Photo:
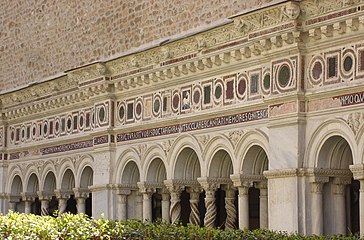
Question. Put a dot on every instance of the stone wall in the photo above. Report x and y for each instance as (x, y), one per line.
(41, 38)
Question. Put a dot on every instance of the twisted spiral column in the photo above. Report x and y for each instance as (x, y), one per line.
(175, 209)
(175, 190)
(210, 205)
(230, 209)
(194, 200)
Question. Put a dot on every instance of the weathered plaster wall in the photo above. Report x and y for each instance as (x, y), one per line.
(40, 38)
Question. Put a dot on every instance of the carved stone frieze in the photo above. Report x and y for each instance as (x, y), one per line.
(355, 121)
(235, 136)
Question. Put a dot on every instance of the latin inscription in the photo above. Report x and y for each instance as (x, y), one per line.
(351, 99)
(192, 126)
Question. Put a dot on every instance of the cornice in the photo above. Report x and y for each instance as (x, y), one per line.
(248, 38)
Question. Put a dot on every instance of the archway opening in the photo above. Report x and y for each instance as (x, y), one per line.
(340, 193)
(85, 182)
(15, 203)
(32, 189)
(187, 168)
(49, 187)
(221, 168)
(254, 164)
(156, 175)
(68, 183)
(130, 177)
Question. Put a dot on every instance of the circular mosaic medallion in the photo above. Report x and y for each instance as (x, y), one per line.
(156, 105)
(34, 131)
(175, 101)
(28, 132)
(45, 129)
(138, 109)
(102, 114)
(69, 124)
(218, 91)
(121, 112)
(266, 81)
(348, 63)
(81, 121)
(242, 87)
(284, 75)
(317, 70)
(57, 126)
(196, 97)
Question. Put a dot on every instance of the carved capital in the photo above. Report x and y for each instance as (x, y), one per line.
(81, 192)
(42, 195)
(28, 197)
(63, 194)
(316, 187)
(358, 171)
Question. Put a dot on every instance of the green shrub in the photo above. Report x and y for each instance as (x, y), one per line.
(69, 226)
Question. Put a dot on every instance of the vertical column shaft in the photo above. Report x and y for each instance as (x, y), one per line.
(165, 207)
(147, 206)
(139, 206)
(194, 200)
(340, 211)
(230, 209)
(243, 203)
(317, 208)
(361, 207)
(81, 205)
(27, 206)
(122, 207)
(44, 205)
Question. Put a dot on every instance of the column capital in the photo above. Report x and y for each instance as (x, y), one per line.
(145, 188)
(123, 191)
(28, 197)
(174, 186)
(63, 194)
(262, 185)
(358, 171)
(244, 180)
(81, 192)
(13, 198)
(43, 195)
(210, 184)
(316, 187)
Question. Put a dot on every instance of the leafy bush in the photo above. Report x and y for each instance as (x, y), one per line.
(69, 226)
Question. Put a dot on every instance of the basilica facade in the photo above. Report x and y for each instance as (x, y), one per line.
(254, 123)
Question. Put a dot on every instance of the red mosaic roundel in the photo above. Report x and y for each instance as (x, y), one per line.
(317, 70)
(175, 101)
(241, 87)
(138, 109)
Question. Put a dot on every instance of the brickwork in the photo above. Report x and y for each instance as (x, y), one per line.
(39, 39)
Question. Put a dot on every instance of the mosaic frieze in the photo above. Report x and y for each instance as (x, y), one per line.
(2, 136)
(278, 77)
(61, 125)
(337, 66)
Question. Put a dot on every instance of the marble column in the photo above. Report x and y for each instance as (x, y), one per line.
(81, 195)
(13, 201)
(147, 193)
(62, 197)
(165, 205)
(339, 186)
(231, 213)
(243, 205)
(44, 199)
(317, 211)
(263, 204)
(210, 204)
(194, 200)
(175, 191)
(12, 206)
(361, 207)
(122, 200)
(139, 205)
(28, 199)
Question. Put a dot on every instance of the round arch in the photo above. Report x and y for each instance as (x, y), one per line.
(255, 160)
(360, 141)
(49, 183)
(86, 179)
(130, 174)
(151, 154)
(222, 165)
(187, 166)
(16, 186)
(32, 184)
(156, 172)
(68, 180)
(86, 161)
(219, 147)
(330, 128)
(49, 167)
(127, 155)
(183, 142)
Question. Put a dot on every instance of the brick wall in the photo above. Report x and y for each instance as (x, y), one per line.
(40, 38)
